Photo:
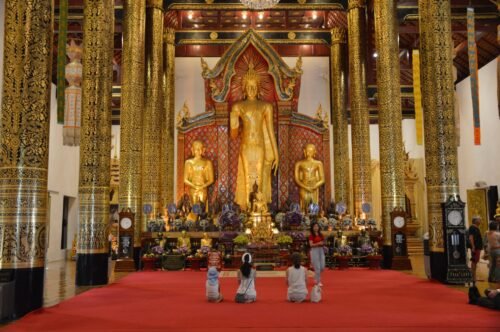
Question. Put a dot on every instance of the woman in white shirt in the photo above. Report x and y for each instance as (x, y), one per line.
(296, 279)
(246, 279)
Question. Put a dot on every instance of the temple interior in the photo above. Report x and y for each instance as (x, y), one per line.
(160, 135)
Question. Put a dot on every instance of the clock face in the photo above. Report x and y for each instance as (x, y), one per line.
(126, 223)
(399, 222)
(455, 217)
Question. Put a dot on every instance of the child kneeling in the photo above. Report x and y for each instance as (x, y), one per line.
(212, 285)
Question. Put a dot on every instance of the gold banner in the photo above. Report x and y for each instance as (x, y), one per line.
(417, 95)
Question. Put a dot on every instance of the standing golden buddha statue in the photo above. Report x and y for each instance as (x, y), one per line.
(309, 176)
(198, 174)
(258, 154)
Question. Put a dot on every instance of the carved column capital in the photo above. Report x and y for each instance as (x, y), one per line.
(158, 4)
(169, 36)
(339, 36)
(356, 4)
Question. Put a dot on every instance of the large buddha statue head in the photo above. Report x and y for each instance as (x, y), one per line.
(197, 149)
(250, 83)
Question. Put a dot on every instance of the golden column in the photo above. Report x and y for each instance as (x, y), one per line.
(338, 85)
(24, 149)
(389, 113)
(152, 116)
(167, 136)
(130, 192)
(95, 145)
(439, 120)
(360, 121)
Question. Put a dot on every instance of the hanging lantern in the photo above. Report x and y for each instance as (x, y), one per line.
(73, 96)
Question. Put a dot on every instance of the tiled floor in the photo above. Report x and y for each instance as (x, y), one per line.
(60, 279)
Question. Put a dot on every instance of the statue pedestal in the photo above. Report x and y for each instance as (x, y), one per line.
(262, 230)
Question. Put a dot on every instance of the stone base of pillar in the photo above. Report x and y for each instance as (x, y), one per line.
(438, 266)
(22, 291)
(387, 254)
(92, 269)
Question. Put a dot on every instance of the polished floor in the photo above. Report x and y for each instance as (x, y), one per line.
(60, 279)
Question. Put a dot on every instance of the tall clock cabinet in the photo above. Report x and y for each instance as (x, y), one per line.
(125, 260)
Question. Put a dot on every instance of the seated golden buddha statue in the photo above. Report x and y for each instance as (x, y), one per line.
(184, 240)
(198, 174)
(206, 241)
(309, 176)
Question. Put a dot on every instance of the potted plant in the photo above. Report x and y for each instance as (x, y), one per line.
(284, 241)
(241, 241)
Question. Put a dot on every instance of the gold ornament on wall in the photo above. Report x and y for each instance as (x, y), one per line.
(183, 114)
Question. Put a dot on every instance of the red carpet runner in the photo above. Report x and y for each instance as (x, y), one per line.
(352, 300)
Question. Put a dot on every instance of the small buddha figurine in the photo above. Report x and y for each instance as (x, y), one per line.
(198, 174)
(206, 241)
(258, 201)
(363, 238)
(184, 240)
(309, 176)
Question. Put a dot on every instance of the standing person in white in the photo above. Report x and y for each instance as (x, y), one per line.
(246, 279)
(296, 279)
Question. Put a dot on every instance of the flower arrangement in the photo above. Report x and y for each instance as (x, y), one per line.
(204, 250)
(345, 250)
(229, 220)
(366, 249)
(298, 236)
(284, 239)
(155, 225)
(241, 240)
(183, 250)
(280, 218)
(293, 219)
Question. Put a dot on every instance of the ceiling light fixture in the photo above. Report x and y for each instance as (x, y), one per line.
(260, 4)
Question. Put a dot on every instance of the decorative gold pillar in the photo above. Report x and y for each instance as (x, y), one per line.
(95, 144)
(338, 76)
(24, 150)
(439, 120)
(360, 121)
(167, 155)
(133, 64)
(152, 116)
(389, 112)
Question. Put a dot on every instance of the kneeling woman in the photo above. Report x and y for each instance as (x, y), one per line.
(246, 279)
(296, 279)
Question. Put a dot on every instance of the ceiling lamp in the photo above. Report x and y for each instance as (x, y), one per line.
(260, 4)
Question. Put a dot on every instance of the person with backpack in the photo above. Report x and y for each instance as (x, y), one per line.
(475, 243)
(246, 292)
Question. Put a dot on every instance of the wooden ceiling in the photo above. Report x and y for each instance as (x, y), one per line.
(192, 16)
